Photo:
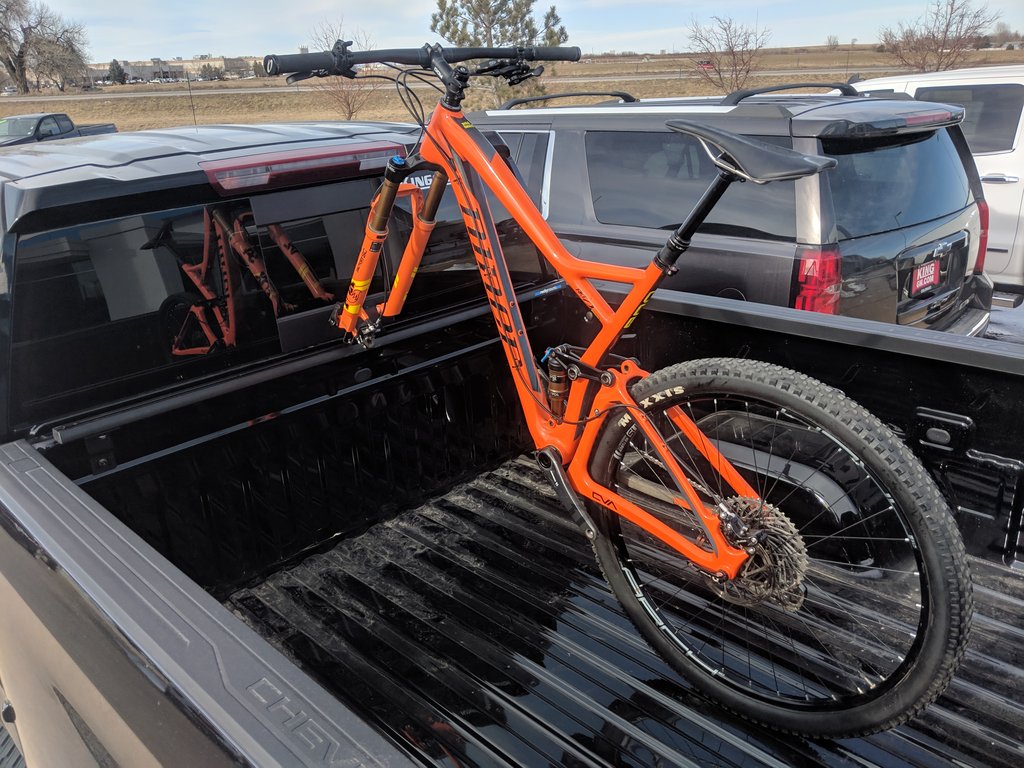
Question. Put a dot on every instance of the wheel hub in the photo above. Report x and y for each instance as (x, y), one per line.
(775, 569)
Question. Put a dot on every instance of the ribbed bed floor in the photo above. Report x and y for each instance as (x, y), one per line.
(476, 630)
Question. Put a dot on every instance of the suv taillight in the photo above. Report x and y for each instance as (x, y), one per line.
(979, 262)
(819, 277)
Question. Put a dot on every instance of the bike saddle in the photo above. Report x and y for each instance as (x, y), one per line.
(751, 159)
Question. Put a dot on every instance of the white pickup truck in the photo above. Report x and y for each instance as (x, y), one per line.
(994, 99)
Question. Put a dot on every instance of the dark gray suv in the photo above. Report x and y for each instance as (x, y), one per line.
(896, 232)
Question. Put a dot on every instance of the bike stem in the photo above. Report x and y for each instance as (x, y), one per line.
(454, 79)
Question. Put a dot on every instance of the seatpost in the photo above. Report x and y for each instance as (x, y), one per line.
(679, 241)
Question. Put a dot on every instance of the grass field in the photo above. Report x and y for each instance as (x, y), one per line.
(177, 106)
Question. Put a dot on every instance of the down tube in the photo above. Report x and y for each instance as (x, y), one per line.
(490, 259)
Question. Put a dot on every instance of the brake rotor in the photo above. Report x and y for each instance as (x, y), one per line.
(774, 571)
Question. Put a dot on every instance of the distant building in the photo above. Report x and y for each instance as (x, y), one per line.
(177, 68)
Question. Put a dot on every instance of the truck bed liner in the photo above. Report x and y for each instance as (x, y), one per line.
(476, 630)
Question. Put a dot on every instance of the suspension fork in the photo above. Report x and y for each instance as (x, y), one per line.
(348, 314)
(424, 216)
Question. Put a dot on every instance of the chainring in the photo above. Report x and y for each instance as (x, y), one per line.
(774, 571)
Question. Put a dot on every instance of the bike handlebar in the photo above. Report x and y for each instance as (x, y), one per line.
(335, 64)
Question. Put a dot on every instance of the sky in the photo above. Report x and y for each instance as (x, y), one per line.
(145, 29)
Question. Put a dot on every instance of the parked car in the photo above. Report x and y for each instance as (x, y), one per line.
(46, 126)
(993, 98)
(896, 232)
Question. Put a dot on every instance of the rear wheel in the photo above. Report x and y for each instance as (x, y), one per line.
(853, 611)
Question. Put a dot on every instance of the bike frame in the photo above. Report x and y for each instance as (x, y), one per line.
(457, 151)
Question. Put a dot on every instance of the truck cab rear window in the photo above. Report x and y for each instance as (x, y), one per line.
(121, 307)
(105, 310)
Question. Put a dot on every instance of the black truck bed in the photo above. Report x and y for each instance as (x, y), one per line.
(476, 630)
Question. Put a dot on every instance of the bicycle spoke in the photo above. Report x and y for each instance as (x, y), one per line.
(830, 647)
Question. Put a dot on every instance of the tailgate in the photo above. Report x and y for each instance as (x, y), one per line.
(930, 277)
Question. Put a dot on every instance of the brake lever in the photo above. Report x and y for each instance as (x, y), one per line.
(526, 74)
(493, 67)
(297, 76)
(343, 65)
(514, 71)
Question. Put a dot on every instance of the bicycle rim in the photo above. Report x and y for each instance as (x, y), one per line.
(860, 621)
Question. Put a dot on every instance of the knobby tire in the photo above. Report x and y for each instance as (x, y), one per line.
(885, 602)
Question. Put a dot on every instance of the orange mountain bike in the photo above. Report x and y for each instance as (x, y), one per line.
(771, 539)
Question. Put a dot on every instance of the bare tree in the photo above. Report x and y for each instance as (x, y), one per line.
(56, 62)
(832, 42)
(1002, 34)
(32, 35)
(348, 96)
(728, 51)
(941, 39)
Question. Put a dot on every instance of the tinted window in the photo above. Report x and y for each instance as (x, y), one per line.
(448, 273)
(17, 126)
(115, 308)
(65, 124)
(112, 309)
(884, 184)
(653, 179)
(529, 150)
(993, 112)
(48, 127)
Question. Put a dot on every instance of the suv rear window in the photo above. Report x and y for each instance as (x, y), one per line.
(895, 182)
(652, 179)
(993, 112)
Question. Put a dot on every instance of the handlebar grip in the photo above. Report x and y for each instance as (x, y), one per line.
(550, 53)
(277, 64)
(531, 53)
(298, 62)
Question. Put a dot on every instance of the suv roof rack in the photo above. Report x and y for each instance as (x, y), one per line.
(736, 97)
(622, 95)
